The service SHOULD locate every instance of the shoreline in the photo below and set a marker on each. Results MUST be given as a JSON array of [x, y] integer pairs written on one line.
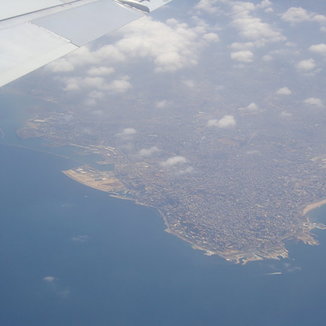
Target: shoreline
[[311, 207], [235, 256]]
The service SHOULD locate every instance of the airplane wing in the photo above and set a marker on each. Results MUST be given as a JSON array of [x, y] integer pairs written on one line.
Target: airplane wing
[[36, 32]]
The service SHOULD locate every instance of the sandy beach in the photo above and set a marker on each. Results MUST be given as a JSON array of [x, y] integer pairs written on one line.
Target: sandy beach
[[313, 206]]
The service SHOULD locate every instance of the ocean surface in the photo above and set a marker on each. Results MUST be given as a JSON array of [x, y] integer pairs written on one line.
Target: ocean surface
[[72, 256]]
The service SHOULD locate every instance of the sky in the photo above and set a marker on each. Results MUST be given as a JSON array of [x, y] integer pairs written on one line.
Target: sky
[[188, 37]]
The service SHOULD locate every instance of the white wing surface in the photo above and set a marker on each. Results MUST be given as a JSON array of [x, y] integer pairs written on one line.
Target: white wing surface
[[36, 32], [14, 8]]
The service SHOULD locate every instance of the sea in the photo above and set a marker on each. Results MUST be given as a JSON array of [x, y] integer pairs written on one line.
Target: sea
[[72, 256]]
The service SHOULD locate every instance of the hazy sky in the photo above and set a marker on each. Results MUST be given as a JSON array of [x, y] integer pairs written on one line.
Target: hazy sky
[[196, 40]]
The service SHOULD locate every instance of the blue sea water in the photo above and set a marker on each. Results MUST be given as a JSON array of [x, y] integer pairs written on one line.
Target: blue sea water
[[70, 255]]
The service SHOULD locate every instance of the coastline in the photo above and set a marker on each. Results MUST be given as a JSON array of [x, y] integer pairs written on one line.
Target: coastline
[[108, 183], [311, 207]]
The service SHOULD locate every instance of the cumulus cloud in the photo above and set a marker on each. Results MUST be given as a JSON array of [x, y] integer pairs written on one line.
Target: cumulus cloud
[[314, 101], [251, 108], [49, 279], [72, 84], [173, 161], [306, 65], [146, 152], [188, 169], [252, 27], [284, 91], [162, 104], [286, 114], [298, 15], [189, 83], [54, 286], [267, 58], [211, 37], [120, 85], [80, 238], [227, 121], [318, 48], [295, 15], [208, 6], [100, 71], [170, 45], [211, 6], [127, 133], [61, 65], [93, 97], [264, 4], [242, 56]]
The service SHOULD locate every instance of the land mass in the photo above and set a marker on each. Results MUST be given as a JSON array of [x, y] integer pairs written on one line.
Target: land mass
[[239, 190], [270, 248]]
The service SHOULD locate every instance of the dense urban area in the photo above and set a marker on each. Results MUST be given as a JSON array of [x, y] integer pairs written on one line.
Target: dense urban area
[[239, 192]]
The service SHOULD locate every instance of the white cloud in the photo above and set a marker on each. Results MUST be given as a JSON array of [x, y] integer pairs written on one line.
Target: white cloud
[[189, 83], [211, 37], [127, 133], [170, 46], [188, 169], [72, 84], [242, 56], [267, 58], [77, 83], [314, 101], [120, 85], [228, 121], [174, 160], [318, 48], [212, 123], [264, 4], [80, 238], [286, 114], [284, 91], [146, 152], [100, 71], [93, 97], [49, 279], [61, 65], [242, 7], [252, 107], [306, 65], [298, 15], [319, 19], [207, 6], [251, 27], [55, 287], [162, 104]]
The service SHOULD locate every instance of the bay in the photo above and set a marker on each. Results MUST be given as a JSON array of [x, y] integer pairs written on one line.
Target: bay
[[71, 255]]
